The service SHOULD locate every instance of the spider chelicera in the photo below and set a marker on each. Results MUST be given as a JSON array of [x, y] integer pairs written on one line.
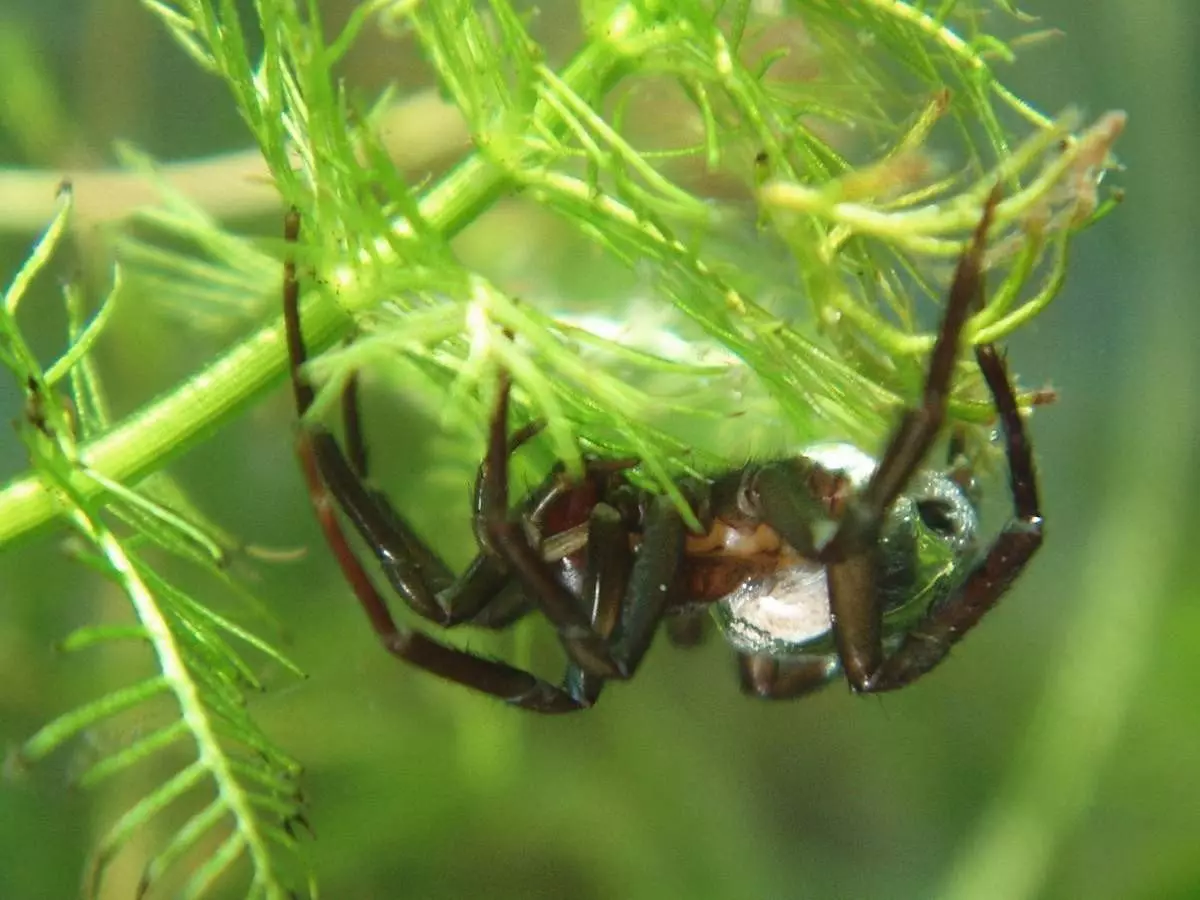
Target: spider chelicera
[[814, 564]]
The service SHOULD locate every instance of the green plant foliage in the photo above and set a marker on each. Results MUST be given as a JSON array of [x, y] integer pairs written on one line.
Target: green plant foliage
[[861, 139], [254, 801], [837, 154]]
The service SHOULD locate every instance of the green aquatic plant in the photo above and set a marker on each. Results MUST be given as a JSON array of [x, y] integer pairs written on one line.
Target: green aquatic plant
[[856, 143], [121, 532]]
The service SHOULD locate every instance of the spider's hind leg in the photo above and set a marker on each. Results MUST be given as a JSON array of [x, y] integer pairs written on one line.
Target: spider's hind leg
[[418, 574]]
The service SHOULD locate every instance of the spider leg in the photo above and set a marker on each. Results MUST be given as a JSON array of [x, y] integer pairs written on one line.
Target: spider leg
[[332, 483], [514, 686], [505, 536], [853, 601], [648, 592], [919, 427], [486, 595], [413, 569], [609, 562], [628, 595], [777, 679], [788, 494], [356, 445], [418, 574], [931, 640], [392, 541]]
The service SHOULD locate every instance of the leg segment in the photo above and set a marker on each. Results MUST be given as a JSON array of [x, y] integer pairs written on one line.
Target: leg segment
[[331, 482], [508, 683], [919, 427], [774, 679], [338, 478], [790, 497], [648, 592], [417, 573], [610, 561], [356, 445], [505, 537], [854, 603], [628, 595], [928, 644]]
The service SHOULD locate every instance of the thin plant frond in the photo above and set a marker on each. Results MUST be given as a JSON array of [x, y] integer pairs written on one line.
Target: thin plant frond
[[194, 666]]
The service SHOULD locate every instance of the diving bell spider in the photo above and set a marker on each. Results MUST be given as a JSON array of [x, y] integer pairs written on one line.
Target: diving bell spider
[[883, 599]]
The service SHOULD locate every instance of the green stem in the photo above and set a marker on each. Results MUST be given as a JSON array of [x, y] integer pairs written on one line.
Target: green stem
[[197, 408]]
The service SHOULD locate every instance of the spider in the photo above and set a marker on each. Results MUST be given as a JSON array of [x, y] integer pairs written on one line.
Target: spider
[[816, 564]]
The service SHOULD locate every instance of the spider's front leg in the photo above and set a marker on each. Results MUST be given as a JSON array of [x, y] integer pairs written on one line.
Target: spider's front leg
[[855, 601], [929, 642]]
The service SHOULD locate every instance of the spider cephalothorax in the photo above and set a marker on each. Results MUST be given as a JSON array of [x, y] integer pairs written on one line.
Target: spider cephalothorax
[[824, 562]]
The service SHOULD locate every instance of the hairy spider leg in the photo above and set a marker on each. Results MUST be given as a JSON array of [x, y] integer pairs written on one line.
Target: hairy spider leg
[[791, 507], [919, 427], [854, 602], [331, 482], [773, 678], [482, 595]]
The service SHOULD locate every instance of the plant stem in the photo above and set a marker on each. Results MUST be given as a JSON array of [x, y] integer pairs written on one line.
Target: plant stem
[[223, 186]]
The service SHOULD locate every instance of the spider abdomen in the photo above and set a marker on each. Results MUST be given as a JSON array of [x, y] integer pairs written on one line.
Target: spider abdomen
[[780, 614]]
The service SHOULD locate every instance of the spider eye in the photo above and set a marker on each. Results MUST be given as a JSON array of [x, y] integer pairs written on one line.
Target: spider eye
[[938, 517]]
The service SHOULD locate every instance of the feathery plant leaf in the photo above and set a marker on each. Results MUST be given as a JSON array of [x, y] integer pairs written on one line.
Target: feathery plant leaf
[[862, 136], [251, 808]]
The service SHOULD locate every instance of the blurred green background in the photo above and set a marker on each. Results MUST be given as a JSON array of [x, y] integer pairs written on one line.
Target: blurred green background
[[1053, 756]]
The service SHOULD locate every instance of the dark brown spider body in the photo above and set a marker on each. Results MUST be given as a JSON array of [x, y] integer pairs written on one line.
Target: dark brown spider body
[[769, 597], [823, 562], [734, 549]]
